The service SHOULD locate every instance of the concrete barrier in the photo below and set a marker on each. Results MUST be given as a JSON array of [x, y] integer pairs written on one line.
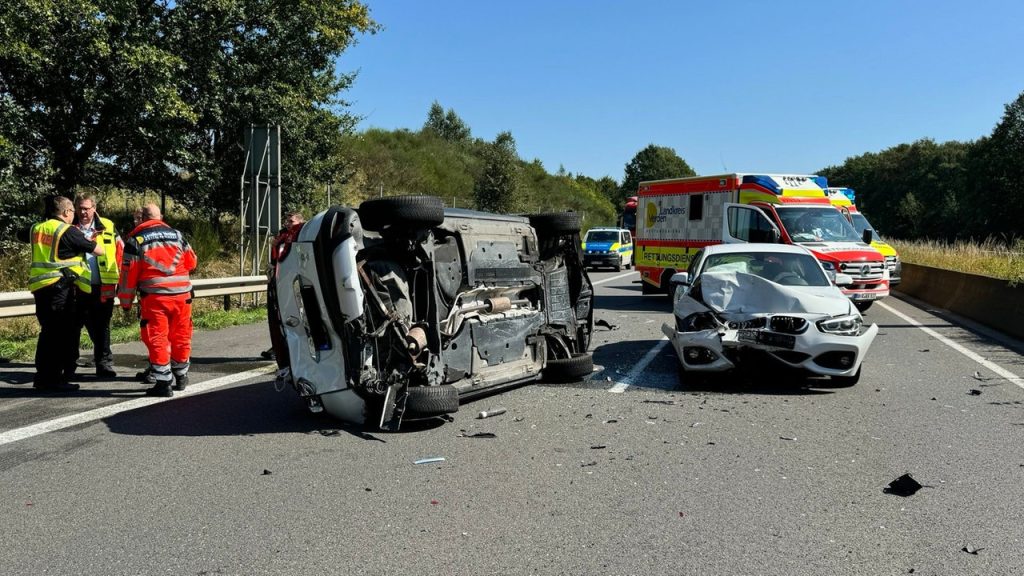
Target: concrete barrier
[[990, 301]]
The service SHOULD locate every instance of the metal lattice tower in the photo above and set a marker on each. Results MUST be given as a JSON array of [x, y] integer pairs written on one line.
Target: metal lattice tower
[[260, 198]]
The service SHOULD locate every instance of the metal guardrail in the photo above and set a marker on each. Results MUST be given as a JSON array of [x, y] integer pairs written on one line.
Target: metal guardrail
[[14, 304]]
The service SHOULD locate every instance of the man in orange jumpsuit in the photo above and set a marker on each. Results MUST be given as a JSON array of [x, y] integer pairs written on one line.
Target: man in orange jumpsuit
[[157, 262]]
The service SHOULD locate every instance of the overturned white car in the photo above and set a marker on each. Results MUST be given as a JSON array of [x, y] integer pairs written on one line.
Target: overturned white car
[[766, 303], [402, 308]]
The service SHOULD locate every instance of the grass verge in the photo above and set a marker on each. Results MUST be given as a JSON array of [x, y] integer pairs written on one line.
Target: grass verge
[[987, 258]]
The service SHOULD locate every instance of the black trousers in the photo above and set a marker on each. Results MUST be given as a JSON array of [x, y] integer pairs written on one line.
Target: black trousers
[[94, 315], [57, 348]]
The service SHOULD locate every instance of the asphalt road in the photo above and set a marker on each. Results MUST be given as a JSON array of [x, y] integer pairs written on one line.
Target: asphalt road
[[624, 474]]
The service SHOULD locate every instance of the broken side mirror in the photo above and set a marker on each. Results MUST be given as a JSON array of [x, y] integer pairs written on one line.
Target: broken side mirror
[[867, 235], [843, 279]]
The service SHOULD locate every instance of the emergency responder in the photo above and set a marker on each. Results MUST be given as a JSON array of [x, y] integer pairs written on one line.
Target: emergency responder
[[278, 348], [96, 307], [58, 274], [157, 262]]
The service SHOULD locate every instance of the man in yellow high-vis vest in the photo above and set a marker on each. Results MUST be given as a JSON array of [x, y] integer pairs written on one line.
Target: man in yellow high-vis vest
[[96, 307], [57, 274]]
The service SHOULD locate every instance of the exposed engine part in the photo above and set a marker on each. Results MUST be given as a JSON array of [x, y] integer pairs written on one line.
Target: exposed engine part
[[416, 341]]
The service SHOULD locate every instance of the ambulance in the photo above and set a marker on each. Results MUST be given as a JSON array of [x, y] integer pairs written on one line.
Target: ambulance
[[843, 198], [678, 217]]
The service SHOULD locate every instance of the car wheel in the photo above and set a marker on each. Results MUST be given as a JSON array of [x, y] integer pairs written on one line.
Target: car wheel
[[848, 380], [405, 211], [863, 305], [573, 369], [431, 401], [553, 224]]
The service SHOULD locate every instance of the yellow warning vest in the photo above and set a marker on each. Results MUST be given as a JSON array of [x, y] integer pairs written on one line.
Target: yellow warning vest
[[46, 267], [108, 260]]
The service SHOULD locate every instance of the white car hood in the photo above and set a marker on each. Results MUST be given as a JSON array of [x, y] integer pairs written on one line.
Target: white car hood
[[741, 296]]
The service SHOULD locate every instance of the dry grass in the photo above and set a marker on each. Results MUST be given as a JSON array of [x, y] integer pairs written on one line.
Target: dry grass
[[989, 258]]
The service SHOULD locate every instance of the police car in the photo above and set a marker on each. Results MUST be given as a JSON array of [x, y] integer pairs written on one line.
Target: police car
[[608, 247]]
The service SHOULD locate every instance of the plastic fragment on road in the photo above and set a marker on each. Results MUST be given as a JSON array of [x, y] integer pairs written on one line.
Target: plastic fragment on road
[[974, 392], [479, 435], [787, 438], [430, 460], [971, 549], [266, 472], [488, 413], [903, 486]]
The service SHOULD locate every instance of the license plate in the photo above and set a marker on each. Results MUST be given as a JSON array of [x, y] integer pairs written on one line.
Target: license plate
[[864, 296], [766, 338]]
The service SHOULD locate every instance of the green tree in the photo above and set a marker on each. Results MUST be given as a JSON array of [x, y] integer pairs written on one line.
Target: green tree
[[497, 188], [93, 79], [996, 164], [446, 125], [651, 163], [156, 94]]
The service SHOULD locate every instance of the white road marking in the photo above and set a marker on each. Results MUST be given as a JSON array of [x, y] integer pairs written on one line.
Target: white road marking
[[107, 411], [626, 382], [1013, 378], [613, 278]]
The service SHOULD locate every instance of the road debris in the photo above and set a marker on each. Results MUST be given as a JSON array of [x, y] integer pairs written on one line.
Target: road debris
[[266, 472], [591, 463], [668, 402], [978, 376], [974, 392], [605, 324], [430, 460], [610, 421], [488, 413], [787, 438], [971, 549], [478, 435], [903, 486], [598, 447]]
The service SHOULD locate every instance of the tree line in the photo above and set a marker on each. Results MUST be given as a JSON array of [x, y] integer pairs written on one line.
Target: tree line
[[154, 96]]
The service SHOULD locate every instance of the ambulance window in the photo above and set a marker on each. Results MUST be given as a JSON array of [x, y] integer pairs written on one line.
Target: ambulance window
[[745, 223], [696, 206]]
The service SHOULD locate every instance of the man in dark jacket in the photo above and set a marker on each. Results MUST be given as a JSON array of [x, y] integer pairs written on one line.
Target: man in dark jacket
[[57, 275]]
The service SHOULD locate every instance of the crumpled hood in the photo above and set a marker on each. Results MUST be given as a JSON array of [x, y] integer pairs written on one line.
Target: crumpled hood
[[741, 296]]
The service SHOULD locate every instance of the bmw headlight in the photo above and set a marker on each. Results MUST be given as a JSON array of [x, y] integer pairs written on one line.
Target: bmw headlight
[[842, 325]]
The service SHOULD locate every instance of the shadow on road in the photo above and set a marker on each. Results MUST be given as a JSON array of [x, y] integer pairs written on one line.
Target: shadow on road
[[633, 302], [243, 411]]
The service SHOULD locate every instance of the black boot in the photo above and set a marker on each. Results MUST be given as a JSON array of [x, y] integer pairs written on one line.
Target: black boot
[[161, 389], [180, 382]]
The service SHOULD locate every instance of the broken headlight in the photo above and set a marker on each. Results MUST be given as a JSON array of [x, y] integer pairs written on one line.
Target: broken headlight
[[788, 324], [697, 322], [841, 325]]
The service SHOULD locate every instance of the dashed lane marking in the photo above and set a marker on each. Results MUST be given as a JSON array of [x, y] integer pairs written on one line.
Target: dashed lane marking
[[613, 278]]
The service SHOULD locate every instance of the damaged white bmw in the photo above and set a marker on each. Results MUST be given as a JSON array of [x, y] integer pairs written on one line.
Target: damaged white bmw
[[402, 308], [754, 304]]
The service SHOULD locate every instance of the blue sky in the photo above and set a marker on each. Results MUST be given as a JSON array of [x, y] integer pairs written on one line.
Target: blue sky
[[773, 86]]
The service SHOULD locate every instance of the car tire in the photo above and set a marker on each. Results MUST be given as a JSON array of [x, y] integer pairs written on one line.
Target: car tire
[[646, 288], [863, 305], [573, 369], [554, 224], [431, 401], [845, 381], [403, 211]]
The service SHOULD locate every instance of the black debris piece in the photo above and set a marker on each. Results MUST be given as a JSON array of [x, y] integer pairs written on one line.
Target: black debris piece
[[974, 392], [924, 350], [611, 421], [368, 489], [518, 419], [266, 472], [604, 324], [903, 486], [787, 438], [330, 432], [479, 435], [971, 549], [591, 463], [668, 402], [977, 375], [598, 447]]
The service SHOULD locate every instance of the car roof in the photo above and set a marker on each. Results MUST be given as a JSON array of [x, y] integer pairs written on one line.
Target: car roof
[[748, 248]]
